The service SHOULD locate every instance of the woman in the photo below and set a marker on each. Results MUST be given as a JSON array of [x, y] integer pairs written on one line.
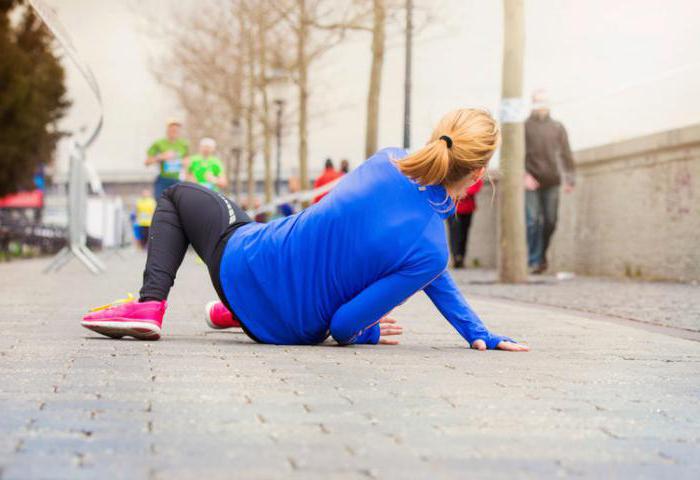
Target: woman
[[338, 267], [460, 222]]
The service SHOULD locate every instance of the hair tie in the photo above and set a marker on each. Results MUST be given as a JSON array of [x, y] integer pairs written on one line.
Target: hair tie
[[447, 140]]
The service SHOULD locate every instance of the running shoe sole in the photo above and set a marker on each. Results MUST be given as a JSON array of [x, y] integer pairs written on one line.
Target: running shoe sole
[[116, 329]]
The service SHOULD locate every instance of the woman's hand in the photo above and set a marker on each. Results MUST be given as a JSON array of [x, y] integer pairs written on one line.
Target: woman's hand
[[389, 326], [508, 346]]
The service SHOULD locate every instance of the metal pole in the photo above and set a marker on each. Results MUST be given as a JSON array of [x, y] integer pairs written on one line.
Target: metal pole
[[407, 77], [77, 213], [77, 188], [280, 106]]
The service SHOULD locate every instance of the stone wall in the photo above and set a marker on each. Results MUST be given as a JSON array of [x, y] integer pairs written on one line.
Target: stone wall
[[635, 211]]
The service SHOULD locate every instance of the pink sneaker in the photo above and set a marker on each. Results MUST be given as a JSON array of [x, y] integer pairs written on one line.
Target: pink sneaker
[[127, 318], [219, 317]]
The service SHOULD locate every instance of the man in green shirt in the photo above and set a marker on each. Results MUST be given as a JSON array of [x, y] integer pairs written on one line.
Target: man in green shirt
[[205, 168], [169, 153]]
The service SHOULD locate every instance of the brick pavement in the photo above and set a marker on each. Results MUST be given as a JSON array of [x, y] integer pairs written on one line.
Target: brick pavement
[[670, 304], [593, 399]]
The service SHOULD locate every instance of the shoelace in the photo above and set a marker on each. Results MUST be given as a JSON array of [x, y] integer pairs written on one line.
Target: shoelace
[[129, 298]]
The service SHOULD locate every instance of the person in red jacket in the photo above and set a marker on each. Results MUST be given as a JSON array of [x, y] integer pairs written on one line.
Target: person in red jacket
[[460, 222], [328, 175]]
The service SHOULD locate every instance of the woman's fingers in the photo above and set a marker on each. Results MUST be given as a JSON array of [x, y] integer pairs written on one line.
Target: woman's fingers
[[512, 347], [390, 325], [391, 330], [387, 327], [384, 333], [504, 345]]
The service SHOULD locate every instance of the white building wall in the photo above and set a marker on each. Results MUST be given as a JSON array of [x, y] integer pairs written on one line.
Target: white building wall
[[614, 69]]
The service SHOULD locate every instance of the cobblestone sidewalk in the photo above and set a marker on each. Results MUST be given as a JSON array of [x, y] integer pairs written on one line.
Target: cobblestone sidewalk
[[592, 400], [675, 305]]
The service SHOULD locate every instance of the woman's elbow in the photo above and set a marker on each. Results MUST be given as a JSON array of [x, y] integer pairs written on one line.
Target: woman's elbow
[[342, 336], [342, 340]]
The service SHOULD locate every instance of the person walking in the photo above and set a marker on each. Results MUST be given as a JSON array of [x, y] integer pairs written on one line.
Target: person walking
[[335, 269], [205, 168], [548, 162], [145, 207], [460, 222], [329, 174], [169, 153]]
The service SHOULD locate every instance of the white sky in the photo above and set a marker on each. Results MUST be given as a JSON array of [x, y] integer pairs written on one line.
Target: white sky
[[614, 69]]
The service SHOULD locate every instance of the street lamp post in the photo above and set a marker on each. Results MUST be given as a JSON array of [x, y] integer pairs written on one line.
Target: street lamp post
[[407, 76], [279, 103], [277, 85]]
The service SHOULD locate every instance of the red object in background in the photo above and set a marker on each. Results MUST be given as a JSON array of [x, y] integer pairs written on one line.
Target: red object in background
[[468, 203], [327, 176], [28, 199]]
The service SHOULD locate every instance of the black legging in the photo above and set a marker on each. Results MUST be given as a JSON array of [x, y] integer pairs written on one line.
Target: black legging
[[188, 214], [459, 235]]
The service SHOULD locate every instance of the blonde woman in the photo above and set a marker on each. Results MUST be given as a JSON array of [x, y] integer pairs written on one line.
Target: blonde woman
[[338, 267]]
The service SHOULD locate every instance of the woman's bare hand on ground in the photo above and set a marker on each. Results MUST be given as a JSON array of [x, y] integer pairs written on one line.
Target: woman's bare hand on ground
[[508, 346], [389, 326]]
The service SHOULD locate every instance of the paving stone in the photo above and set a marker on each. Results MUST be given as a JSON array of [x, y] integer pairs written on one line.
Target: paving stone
[[594, 399]]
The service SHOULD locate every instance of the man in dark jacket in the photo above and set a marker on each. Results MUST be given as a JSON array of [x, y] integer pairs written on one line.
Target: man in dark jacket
[[548, 162]]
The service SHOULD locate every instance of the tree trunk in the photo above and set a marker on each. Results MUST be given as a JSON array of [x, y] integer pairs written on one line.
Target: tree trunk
[[512, 261], [250, 125], [266, 126], [303, 64], [375, 78], [237, 106]]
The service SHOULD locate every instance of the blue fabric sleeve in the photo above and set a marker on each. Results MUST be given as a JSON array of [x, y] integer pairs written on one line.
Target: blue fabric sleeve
[[356, 320], [369, 335], [449, 300]]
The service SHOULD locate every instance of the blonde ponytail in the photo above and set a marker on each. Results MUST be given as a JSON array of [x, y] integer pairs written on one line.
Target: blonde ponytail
[[429, 165], [474, 136]]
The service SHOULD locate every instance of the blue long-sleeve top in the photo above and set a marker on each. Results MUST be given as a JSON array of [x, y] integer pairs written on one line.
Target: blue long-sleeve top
[[342, 264]]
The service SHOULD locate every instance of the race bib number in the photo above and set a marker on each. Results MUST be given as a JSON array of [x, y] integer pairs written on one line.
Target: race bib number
[[172, 166]]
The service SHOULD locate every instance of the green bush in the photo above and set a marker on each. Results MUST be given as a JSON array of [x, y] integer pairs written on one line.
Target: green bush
[[32, 96]]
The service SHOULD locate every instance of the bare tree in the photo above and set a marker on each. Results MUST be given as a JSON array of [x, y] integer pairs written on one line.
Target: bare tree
[[248, 36], [222, 62], [317, 26], [382, 12], [203, 69], [265, 118]]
